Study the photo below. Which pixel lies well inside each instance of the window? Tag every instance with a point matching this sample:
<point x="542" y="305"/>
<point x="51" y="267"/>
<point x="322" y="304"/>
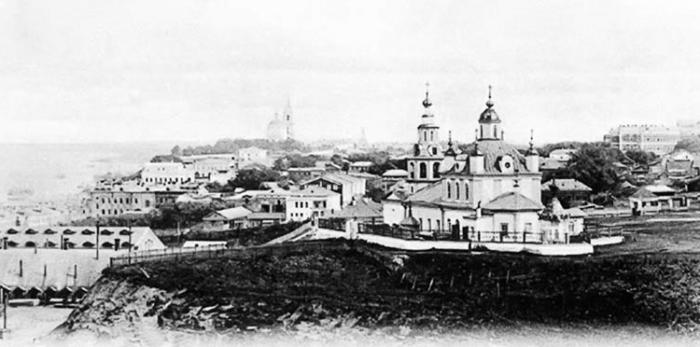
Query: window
<point x="495" y="132"/>
<point x="466" y="190"/>
<point x="436" y="169"/>
<point x="504" y="227"/>
<point x="423" y="170"/>
<point x="437" y="225"/>
<point x="528" y="227"/>
<point x="420" y="221"/>
<point x="449" y="190"/>
<point x="425" y="136"/>
<point x="431" y="136"/>
<point x="457" y="191"/>
<point x="434" y="150"/>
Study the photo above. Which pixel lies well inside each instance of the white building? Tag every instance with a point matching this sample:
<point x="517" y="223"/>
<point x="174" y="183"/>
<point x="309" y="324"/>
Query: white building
<point x="252" y="155"/>
<point x="311" y="202"/>
<point x="347" y="186"/>
<point x="167" y="173"/>
<point x="491" y="193"/>
<point x="83" y="237"/>
<point x="658" y="139"/>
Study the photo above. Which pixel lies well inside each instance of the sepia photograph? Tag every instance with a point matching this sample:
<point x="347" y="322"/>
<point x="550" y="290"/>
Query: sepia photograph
<point x="186" y="173"/>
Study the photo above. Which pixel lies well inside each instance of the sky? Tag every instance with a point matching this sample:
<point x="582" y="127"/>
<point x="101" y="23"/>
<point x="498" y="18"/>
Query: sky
<point x="84" y="71"/>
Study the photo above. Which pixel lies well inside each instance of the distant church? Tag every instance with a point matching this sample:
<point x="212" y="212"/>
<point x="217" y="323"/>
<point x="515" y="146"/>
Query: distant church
<point x="281" y="129"/>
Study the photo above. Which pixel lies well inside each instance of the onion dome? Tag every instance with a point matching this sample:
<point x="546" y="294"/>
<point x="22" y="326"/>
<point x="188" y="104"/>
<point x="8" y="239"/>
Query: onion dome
<point x="428" y="113"/>
<point x="489" y="115"/>
<point x="531" y="150"/>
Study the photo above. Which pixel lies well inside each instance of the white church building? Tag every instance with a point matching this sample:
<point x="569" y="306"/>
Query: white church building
<point x="489" y="193"/>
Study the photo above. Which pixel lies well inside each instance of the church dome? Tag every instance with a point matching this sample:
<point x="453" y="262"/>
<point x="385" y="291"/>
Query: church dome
<point x="276" y="129"/>
<point x="489" y="115"/>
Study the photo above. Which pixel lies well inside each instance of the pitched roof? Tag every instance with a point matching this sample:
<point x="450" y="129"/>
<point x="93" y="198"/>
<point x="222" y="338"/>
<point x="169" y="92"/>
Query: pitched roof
<point x="566" y="184"/>
<point x="430" y="194"/>
<point x="643" y="193"/>
<point x="513" y="201"/>
<point x="395" y="173"/>
<point x="232" y="213"/>
<point x="336" y="178"/>
<point x="361" y="208"/>
<point x="266" y="215"/>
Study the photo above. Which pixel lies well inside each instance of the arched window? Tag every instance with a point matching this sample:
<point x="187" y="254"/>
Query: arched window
<point x="449" y="190"/>
<point x="466" y="190"/>
<point x="457" y="191"/>
<point x="432" y="138"/>
<point x="412" y="170"/>
<point x="436" y="170"/>
<point x="495" y="132"/>
<point x="429" y="227"/>
<point x="423" y="170"/>
<point x="425" y="136"/>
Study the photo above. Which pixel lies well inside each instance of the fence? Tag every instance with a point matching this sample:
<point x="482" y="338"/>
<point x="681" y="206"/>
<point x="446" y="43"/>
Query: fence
<point x="210" y="252"/>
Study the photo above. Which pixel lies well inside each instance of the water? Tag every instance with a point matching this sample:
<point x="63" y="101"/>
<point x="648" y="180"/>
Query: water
<point x="57" y="171"/>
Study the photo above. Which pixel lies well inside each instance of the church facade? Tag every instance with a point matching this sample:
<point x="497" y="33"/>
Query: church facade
<point x="489" y="192"/>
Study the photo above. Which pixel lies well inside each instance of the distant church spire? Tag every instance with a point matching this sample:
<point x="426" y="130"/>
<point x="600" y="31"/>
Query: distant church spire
<point x="426" y="102"/>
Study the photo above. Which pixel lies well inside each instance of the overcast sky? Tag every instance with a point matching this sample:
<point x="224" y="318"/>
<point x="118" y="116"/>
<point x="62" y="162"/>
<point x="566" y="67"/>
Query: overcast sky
<point x="179" y="70"/>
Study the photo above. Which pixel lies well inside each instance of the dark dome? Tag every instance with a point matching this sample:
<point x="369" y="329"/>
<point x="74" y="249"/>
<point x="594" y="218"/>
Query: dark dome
<point x="489" y="115"/>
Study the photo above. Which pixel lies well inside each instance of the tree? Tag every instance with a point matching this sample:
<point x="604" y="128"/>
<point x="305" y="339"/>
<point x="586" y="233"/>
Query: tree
<point x="640" y="157"/>
<point x="294" y="160"/>
<point x="251" y="179"/>
<point x="690" y="144"/>
<point x="593" y="165"/>
<point x="176" y="151"/>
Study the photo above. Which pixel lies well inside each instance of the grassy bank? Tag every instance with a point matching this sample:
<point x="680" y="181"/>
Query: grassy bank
<point x="357" y="284"/>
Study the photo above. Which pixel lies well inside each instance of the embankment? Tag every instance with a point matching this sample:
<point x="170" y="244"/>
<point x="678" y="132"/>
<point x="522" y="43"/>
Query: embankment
<point x="342" y="284"/>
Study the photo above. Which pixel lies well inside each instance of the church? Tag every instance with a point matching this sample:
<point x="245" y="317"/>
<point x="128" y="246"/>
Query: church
<point x="489" y="192"/>
<point x="281" y="129"/>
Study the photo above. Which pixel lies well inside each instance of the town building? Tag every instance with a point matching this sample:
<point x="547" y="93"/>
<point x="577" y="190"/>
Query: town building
<point x="311" y="202"/>
<point x="658" y="139"/>
<point x="251" y="155"/>
<point x="657" y="198"/>
<point x="392" y="177"/>
<point x="167" y="173"/>
<point x="559" y="224"/>
<point x="82" y="237"/>
<point x="491" y="193"/>
<point x="562" y="154"/>
<point x="567" y="191"/>
<point x="360" y="166"/>
<point x="226" y="219"/>
<point x="361" y="210"/>
<point x="299" y="174"/>
<point x="347" y="186"/>
<point x="134" y="198"/>
<point x="211" y="168"/>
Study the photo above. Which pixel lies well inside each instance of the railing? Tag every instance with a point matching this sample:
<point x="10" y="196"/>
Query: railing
<point x="455" y="235"/>
<point x="209" y="252"/>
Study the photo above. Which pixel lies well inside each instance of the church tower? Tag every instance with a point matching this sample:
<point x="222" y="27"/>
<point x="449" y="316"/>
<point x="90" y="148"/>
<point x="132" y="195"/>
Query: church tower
<point x="288" y="122"/>
<point x="489" y="122"/>
<point x="424" y="164"/>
